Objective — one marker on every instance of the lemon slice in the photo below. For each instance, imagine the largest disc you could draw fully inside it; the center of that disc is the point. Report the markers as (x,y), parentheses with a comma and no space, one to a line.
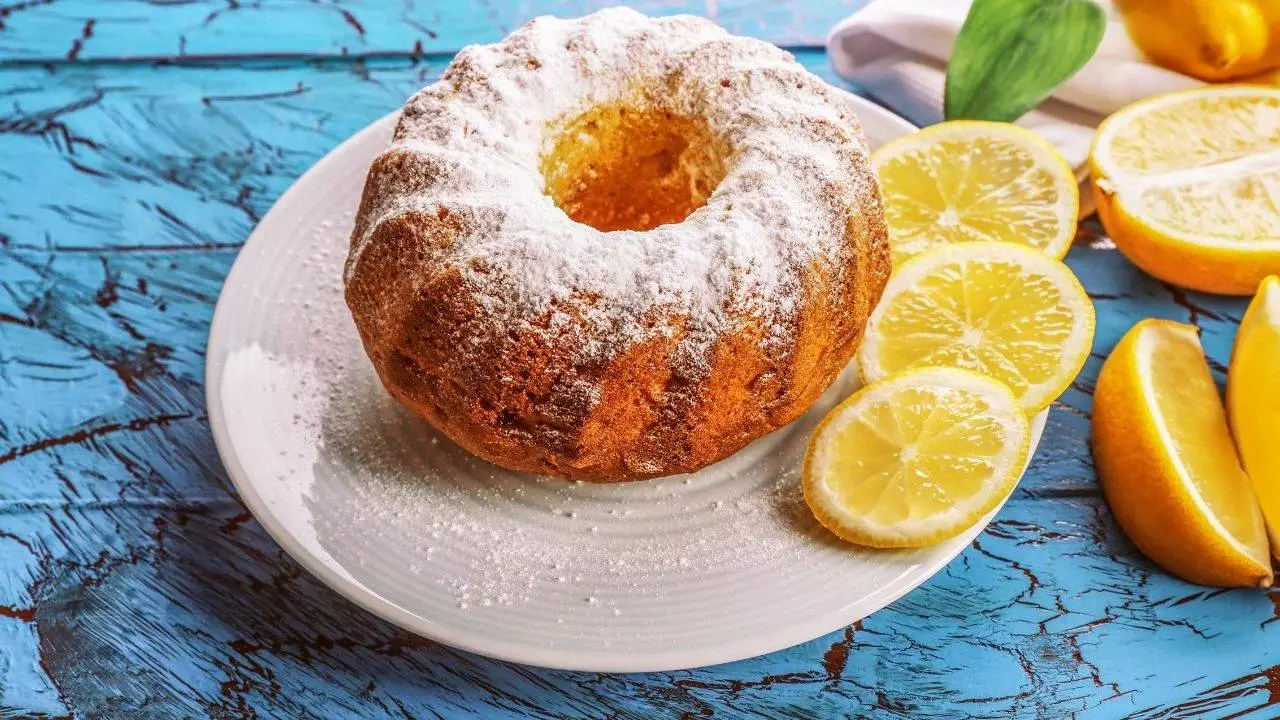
(1167,464)
(1188,186)
(968,180)
(1253,400)
(915,459)
(1004,310)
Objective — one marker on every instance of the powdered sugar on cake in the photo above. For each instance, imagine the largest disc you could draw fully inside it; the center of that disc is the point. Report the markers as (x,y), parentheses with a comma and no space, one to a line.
(492,115)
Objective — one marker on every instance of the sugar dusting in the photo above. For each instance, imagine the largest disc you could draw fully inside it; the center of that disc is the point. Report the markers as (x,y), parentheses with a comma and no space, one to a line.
(476,136)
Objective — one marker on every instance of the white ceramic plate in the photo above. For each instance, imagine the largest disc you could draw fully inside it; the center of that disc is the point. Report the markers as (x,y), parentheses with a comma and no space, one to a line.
(664,574)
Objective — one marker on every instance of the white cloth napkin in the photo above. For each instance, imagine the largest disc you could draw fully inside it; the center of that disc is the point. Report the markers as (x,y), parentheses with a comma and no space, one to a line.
(897,50)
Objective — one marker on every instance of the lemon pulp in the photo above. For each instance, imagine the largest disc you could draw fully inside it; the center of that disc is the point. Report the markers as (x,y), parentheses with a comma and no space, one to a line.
(1189,412)
(976,181)
(916,458)
(999,309)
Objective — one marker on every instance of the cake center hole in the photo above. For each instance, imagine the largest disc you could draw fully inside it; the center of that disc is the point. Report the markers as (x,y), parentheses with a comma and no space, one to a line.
(620,168)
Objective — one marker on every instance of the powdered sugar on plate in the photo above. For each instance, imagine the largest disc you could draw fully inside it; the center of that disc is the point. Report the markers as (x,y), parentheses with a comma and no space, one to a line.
(380,486)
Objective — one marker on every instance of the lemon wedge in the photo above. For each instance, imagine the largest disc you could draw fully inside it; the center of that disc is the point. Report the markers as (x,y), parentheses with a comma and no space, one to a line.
(1253,400)
(1188,186)
(1167,463)
(915,459)
(969,180)
(1004,310)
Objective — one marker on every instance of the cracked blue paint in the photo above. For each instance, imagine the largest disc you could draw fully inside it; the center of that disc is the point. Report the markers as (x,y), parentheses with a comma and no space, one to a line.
(139,144)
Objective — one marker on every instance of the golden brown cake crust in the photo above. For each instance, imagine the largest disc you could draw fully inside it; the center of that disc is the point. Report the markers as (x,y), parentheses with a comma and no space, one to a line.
(544,308)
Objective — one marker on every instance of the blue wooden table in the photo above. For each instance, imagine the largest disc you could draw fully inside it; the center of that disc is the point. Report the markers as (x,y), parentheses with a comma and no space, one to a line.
(140,141)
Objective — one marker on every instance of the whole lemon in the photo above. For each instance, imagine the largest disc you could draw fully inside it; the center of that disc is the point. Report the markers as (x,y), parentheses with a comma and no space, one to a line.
(1214,40)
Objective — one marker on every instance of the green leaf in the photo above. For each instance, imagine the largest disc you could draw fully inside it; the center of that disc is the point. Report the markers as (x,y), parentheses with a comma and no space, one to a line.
(1011,54)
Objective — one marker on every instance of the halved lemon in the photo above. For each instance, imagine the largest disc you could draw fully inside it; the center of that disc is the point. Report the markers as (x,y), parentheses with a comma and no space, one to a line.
(1167,463)
(915,459)
(1253,400)
(970,180)
(1188,185)
(1004,310)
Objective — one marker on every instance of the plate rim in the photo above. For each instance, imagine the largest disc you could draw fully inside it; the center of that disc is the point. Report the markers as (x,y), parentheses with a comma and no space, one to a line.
(754,645)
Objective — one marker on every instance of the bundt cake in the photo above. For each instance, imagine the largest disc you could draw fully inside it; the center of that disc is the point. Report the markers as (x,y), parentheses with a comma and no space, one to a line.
(617,247)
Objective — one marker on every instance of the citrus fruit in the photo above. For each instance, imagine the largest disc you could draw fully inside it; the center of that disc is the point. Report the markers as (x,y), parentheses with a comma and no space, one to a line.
(1253,400)
(1187,184)
(1212,40)
(1004,310)
(969,180)
(1167,464)
(915,459)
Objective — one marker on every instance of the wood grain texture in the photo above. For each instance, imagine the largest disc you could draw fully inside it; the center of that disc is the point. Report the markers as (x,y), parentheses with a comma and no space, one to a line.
(46,30)
(133,583)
